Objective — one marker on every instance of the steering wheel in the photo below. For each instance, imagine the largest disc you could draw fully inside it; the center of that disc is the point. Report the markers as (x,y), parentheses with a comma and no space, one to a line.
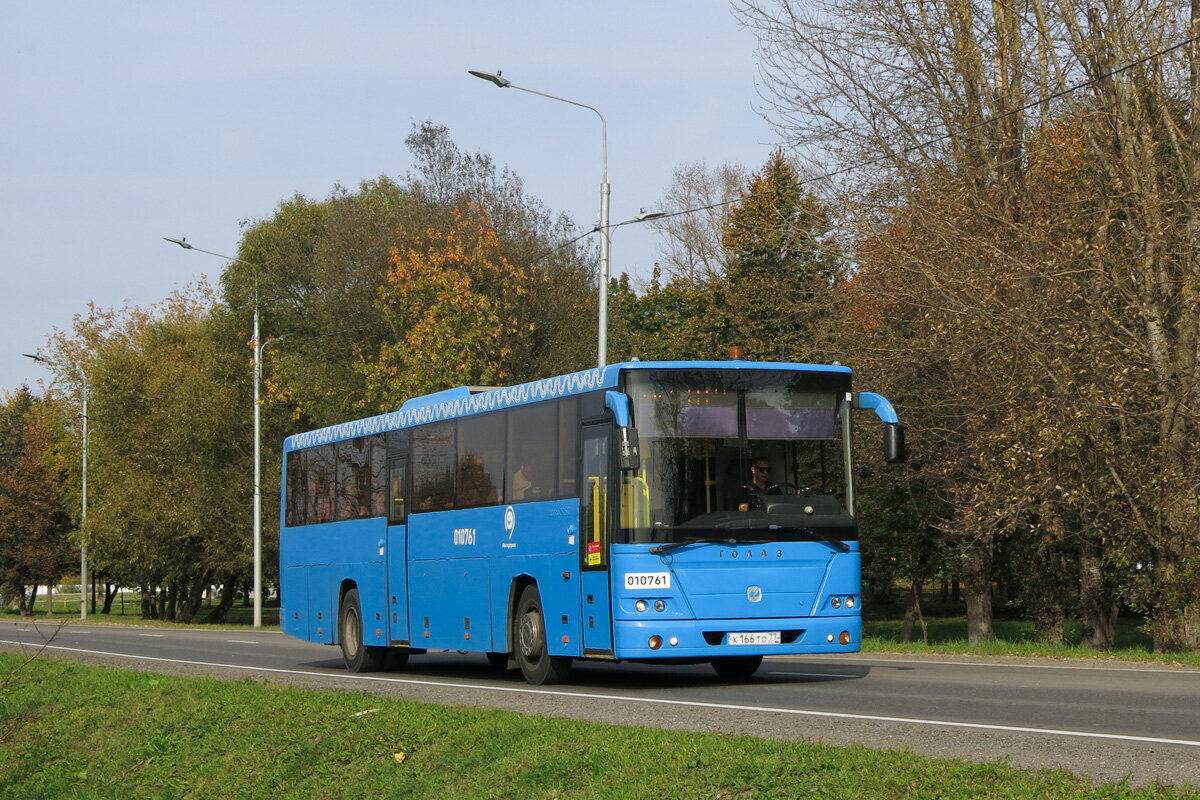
(785,485)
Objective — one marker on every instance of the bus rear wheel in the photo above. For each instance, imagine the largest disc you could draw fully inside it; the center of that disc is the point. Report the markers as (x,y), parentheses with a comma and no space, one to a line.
(736,668)
(537,665)
(358,657)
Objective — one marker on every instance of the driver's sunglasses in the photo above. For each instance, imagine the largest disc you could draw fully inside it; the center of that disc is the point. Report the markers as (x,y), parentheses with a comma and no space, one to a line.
(762,469)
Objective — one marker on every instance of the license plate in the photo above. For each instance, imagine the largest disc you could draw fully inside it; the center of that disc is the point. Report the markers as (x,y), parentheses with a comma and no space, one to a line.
(753,637)
(647,580)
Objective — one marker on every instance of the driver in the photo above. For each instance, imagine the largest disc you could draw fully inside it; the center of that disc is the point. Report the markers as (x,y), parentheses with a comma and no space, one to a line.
(759,484)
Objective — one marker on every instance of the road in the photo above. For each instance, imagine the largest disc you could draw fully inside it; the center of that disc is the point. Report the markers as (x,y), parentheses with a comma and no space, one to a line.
(1104,720)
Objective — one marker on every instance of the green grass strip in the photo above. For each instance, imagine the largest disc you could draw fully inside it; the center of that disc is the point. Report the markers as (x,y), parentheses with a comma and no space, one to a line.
(70,730)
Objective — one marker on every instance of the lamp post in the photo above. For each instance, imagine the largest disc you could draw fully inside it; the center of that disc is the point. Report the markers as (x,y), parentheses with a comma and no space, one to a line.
(605,250)
(83,568)
(258,345)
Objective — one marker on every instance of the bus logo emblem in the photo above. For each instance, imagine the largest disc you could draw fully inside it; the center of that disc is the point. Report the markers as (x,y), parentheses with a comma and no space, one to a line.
(510,521)
(754,593)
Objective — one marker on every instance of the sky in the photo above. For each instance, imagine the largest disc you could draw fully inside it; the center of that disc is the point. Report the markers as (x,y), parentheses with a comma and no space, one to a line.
(123,122)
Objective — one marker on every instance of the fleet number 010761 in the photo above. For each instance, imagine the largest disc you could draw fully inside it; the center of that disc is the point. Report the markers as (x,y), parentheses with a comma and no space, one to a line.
(647,580)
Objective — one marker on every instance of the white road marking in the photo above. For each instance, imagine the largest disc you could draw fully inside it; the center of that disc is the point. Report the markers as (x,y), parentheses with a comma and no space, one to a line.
(1165,669)
(651,700)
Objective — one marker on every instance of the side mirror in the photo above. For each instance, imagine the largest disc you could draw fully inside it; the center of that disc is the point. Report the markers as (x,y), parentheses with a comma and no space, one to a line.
(629,457)
(894,450)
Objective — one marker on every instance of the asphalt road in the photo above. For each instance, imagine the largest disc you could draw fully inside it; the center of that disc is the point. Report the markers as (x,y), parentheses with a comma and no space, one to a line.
(1105,720)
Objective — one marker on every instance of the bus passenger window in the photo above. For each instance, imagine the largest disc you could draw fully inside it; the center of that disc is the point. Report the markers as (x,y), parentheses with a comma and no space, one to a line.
(480,460)
(322,484)
(379,477)
(354,478)
(297,485)
(531,453)
(433,467)
(568,446)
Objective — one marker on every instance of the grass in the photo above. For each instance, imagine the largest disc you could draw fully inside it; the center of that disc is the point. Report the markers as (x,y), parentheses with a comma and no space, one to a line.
(238,616)
(947,628)
(70,730)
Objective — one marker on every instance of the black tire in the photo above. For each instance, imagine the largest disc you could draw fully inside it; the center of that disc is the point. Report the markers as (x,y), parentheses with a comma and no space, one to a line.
(537,665)
(736,668)
(358,657)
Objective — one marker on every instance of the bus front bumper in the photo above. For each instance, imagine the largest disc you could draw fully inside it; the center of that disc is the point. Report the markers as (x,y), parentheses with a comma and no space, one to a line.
(719,638)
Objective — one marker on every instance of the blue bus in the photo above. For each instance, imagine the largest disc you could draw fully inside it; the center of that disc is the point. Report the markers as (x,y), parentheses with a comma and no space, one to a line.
(616,514)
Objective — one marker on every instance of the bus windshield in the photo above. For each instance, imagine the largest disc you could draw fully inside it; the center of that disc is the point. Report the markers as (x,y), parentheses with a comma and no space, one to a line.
(738,454)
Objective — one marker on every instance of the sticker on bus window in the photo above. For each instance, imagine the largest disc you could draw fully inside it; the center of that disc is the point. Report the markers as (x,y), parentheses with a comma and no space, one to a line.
(647,580)
(593,554)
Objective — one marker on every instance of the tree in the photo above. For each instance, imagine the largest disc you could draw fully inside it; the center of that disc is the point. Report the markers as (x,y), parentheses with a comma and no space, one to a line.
(318,268)
(762,285)
(1061,232)
(693,249)
(680,319)
(169,502)
(457,310)
(35,545)
(781,265)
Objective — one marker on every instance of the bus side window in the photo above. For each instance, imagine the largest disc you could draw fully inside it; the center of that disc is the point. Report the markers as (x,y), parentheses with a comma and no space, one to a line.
(433,467)
(531,453)
(379,477)
(297,486)
(480,460)
(354,478)
(568,446)
(397,473)
(322,484)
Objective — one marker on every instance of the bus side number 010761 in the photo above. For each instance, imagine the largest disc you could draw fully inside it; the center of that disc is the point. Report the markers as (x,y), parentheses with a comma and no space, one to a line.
(647,580)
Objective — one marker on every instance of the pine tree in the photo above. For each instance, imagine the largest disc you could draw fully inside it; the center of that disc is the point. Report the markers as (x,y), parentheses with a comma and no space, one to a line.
(781,264)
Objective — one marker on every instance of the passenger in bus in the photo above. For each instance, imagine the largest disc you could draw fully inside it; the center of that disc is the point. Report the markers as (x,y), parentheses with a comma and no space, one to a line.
(522,482)
(759,484)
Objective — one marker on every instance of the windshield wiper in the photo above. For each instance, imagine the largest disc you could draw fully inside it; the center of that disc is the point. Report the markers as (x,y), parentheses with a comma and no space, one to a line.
(817,535)
(666,548)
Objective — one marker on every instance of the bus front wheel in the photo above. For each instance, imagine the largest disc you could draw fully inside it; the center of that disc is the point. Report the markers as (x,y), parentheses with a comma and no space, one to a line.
(358,656)
(736,668)
(537,665)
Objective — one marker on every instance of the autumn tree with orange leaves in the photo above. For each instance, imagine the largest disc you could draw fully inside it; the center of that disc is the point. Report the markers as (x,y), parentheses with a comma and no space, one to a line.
(457,310)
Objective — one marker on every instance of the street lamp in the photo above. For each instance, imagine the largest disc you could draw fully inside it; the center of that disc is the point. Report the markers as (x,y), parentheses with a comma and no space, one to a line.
(605,251)
(258,345)
(643,216)
(83,570)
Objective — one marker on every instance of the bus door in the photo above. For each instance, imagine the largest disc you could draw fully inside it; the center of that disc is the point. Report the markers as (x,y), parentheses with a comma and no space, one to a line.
(397,547)
(594,505)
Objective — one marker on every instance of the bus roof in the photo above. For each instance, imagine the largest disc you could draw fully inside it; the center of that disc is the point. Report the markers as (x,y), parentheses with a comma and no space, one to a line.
(462,402)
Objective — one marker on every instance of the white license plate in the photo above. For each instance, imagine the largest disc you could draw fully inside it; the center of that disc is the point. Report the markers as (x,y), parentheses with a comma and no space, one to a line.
(647,580)
(753,637)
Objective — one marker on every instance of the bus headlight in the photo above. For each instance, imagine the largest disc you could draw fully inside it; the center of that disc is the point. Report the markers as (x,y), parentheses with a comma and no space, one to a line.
(844,638)
(659,605)
(850,602)
(640,605)
(656,642)
(836,602)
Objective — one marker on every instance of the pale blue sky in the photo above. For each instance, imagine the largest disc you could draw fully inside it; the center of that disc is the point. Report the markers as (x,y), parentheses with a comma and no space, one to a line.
(124,122)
